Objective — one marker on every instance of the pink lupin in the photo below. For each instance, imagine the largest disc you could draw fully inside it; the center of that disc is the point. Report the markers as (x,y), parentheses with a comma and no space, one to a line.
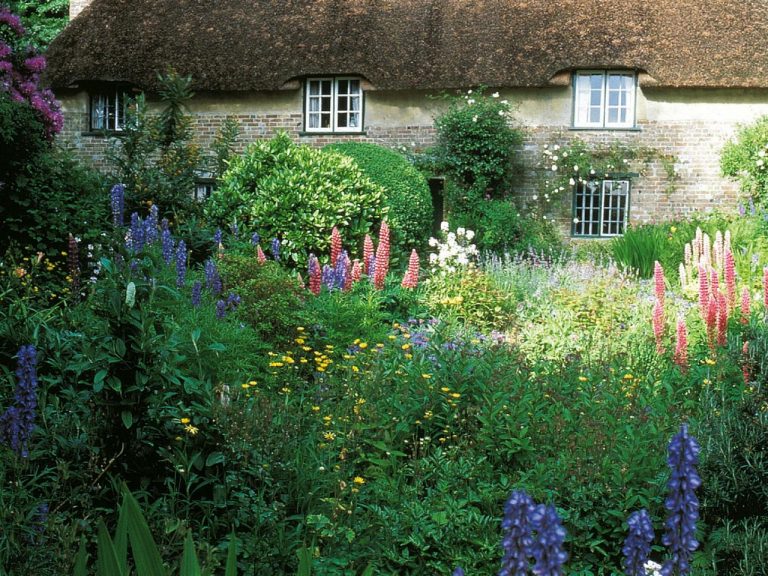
(681,345)
(730,279)
(658,325)
(745,302)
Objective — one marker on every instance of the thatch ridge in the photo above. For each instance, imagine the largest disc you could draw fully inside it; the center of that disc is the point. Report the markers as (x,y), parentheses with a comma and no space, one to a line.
(238,45)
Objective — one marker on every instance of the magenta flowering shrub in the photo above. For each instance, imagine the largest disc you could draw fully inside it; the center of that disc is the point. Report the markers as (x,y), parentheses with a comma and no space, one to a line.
(20,69)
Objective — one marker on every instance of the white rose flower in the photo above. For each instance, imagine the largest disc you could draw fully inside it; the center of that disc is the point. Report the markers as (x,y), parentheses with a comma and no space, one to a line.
(575,167)
(495,95)
(444,226)
(433,242)
(572,182)
(474,118)
(470,234)
(460,232)
(451,238)
(554,167)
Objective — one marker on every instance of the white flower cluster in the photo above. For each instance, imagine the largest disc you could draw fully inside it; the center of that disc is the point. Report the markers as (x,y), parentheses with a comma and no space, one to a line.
(454,251)
(652,568)
(761,157)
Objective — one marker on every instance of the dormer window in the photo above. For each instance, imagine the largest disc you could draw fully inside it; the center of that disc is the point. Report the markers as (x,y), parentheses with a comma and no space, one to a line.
(604,99)
(108,107)
(334,105)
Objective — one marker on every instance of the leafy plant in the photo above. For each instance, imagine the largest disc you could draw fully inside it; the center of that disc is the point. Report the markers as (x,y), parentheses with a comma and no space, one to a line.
(475,144)
(746,159)
(406,192)
(298,194)
(112,556)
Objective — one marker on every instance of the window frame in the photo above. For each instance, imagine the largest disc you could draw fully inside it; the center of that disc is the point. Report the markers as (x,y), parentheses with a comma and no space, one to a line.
(578,212)
(603,123)
(335,109)
(120,95)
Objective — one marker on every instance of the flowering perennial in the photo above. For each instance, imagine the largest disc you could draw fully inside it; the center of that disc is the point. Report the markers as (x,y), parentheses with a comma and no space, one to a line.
(681,345)
(637,546)
(261,258)
(18,421)
(335,245)
(682,503)
(181,263)
(517,540)
(117,203)
(382,257)
(411,278)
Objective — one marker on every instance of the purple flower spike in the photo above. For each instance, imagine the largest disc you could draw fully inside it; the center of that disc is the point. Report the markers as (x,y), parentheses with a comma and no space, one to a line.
(255,238)
(168,245)
(637,546)
(217,237)
(197,289)
(682,503)
(117,202)
(18,422)
(276,249)
(329,277)
(221,309)
(516,541)
(547,549)
(181,263)
(212,277)
(459,571)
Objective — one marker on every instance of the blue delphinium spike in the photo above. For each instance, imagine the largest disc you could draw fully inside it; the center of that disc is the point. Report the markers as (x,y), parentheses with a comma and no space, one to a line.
(166,240)
(197,289)
(18,422)
(516,540)
(682,504)
(255,238)
(637,546)
(547,549)
(276,249)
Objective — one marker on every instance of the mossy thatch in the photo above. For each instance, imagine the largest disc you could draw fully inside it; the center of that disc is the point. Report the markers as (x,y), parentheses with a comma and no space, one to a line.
(234,45)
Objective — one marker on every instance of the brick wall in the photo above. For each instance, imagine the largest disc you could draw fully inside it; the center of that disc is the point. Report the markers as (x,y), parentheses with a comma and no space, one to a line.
(696,145)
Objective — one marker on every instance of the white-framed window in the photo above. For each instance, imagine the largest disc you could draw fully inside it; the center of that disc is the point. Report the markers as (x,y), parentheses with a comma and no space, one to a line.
(604,99)
(108,108)
(600,207)
(334,105)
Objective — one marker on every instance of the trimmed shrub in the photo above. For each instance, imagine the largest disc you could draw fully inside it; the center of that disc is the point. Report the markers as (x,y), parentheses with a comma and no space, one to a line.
(406,191)
(298,194)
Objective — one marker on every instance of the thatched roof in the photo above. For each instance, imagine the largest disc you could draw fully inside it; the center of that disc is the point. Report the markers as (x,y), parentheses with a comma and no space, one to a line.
(413,44)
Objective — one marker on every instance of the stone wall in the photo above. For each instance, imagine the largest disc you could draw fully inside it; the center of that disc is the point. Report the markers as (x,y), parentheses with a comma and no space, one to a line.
(691,128)
(76,6)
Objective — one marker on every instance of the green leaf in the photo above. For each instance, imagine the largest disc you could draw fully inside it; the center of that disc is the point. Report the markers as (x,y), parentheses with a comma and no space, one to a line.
(145,553)
(106,558)
(189,564)
(305,561)
(231,569)
(81,560)
(121,541)
(127,417)
(214,458)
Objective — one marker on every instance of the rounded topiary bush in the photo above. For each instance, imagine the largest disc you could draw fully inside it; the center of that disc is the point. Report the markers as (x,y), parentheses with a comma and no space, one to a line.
(406,191)
(297,194)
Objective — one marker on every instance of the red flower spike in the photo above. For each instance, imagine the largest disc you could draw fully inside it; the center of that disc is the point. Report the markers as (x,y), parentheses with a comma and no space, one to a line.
(703,293)
(315,275)
(260,255)
(357,270)
(335,246)
(745,302)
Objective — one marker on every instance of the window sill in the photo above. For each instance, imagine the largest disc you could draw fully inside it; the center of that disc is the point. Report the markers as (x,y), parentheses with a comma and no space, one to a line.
(601,129)
(101,133)
(321,134)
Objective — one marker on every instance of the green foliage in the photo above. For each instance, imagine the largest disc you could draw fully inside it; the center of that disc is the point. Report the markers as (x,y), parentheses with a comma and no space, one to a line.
(47,196)
(154,155)
(271,297)
(112,555)
(298,194)
(406,191)
(224,144)
(639,248)
(475,144)
(43,19)
(21,136)
(746,159)
(502,228)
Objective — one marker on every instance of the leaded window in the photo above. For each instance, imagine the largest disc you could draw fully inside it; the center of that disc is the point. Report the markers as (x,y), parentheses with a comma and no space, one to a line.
(600,207)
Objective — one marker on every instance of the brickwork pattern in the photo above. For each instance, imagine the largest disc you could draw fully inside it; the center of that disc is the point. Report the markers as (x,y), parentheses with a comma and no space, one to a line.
(696,146)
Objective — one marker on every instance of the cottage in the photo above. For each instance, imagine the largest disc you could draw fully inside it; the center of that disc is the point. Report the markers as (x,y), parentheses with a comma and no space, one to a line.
(675,75)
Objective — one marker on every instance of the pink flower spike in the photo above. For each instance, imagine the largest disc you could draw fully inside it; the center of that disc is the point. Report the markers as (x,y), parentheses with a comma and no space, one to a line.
(681,345)
(658,281)
(260,256)
(411,278)
(357,270)
(703,293)
(658,325)
(367,253)
(765,287)
(382,257)
(745,302)
(335,246)
(730,279)
(722,319)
